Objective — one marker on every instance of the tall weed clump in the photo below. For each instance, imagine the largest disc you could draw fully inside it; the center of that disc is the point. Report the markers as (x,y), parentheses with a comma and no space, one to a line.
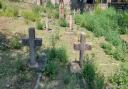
(30,15)
(123,23)
(94,80)
(120,79)
(56,56)
(106,23)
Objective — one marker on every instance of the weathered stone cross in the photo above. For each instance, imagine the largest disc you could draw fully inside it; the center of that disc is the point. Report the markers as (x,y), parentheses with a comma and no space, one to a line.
(82,46)
(32,42)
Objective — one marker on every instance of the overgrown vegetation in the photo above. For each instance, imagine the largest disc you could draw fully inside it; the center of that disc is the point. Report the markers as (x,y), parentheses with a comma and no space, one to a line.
(14,42)
(40,25)
(63,23)
(120,79)
(57,56)
(107,23)
(94,80)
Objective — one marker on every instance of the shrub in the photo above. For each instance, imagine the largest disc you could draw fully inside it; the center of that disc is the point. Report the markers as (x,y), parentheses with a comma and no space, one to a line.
(51,69)
(119,54)
(40,26)
(30,15)
(120,79)
(63,23)
(94,79)
(56,14)
(113,37)
(0,5)
(89,74)
(49,5)
(21,66)
(11,12)
(14,42)
(57,54)
(122,21)
(107,48)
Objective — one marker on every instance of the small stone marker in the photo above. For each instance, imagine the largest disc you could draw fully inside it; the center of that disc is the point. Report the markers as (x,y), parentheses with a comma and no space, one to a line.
(82,46)
(71,23)
(47,23)
(32,42)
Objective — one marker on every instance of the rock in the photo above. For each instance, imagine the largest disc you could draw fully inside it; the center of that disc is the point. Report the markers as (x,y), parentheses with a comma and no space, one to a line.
(75,67)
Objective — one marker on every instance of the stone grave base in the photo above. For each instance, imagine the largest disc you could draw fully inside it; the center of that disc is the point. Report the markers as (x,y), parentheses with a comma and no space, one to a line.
(41,62)
(75,67)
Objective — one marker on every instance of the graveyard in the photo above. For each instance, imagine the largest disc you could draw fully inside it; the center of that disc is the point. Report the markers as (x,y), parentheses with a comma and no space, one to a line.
(47,44)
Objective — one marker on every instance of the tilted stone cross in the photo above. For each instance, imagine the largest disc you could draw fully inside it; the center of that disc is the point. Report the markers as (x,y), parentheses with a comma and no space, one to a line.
(82,46)
(32,42)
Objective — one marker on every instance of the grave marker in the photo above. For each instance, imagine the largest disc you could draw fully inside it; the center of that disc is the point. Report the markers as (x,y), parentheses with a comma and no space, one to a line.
(32,42)
(71,23)
(82,47)
(61,9)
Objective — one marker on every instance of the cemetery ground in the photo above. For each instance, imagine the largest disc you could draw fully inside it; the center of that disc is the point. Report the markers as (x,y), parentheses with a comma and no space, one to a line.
(57,44)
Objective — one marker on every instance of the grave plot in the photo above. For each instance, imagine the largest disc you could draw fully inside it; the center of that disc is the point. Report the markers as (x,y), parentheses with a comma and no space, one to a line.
(71,62)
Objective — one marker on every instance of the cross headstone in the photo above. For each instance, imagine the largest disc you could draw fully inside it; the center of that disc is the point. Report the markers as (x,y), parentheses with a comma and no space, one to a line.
(32,42)
(82,46)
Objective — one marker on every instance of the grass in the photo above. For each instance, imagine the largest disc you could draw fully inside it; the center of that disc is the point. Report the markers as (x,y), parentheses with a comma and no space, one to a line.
(120,78)
(106,23)
(14,71)
(30,15)
(94,80)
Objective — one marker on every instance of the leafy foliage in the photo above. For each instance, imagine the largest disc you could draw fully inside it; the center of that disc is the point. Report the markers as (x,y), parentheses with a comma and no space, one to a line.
(30,15)
(40,26)
(63,23)
(14,42)
(107,23)
(94,80)
(120,78)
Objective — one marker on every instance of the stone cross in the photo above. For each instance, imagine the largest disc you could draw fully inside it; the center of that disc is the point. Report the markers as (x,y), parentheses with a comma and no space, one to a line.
(70,23)
(32,42)
(82,46)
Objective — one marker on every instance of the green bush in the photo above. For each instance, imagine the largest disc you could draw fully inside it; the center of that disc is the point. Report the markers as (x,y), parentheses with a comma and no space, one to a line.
(51,69)
(30,15)
(107,48)
(1,5)
(123,23)
(14,42)
(40,26)
(120,78)
(94,80)
(49,5)
(11,12)
(63,23)
(119,54)
(89,74)
(57,54)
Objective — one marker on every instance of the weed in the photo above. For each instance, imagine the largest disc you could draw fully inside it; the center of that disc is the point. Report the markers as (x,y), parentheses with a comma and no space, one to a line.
(63,23)
(51,69)
(40,26)
(11,12)
(30,15)
(120,78)
(94,80)
(1,5)
(107,48)
(14,42)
